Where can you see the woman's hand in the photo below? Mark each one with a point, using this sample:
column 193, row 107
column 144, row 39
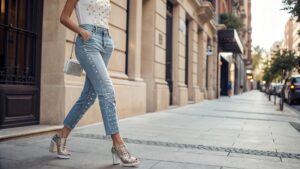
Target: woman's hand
column 86, row 35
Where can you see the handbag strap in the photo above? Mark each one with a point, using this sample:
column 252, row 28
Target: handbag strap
column 73, row 46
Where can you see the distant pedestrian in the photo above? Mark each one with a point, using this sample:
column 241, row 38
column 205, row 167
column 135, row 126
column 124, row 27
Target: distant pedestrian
column 94, row 46
column 229, row 88
column 241, row 89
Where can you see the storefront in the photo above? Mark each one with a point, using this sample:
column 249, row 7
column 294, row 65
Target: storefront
column 232, row 64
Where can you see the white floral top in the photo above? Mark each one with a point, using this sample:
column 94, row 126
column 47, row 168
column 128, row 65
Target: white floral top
column 93, row 12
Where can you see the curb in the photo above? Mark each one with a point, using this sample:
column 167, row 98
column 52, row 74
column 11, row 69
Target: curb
column 290, row 109
column 18, row 132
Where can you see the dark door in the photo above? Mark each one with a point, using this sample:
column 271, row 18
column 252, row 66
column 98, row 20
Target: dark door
column 206, row 72
column 187, row 52
column 224, row 77
column 20, row 50
column 169, row 44
column 236, row 78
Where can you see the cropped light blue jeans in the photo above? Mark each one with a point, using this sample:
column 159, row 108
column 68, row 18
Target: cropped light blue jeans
column 93, row 55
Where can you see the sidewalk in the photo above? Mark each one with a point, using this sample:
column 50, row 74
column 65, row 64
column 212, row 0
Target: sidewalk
column 244, row 131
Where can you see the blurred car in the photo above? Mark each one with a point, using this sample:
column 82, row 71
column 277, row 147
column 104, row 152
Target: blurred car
column 263, row 88
column 278, row 89
column 292, row 90
column 272, row 89
column 268, row 90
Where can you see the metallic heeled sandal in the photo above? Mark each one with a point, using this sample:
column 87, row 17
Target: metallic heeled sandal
column 121, row 153
column 58, row 145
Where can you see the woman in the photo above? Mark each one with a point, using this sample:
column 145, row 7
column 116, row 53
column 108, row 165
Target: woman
column 93, row 48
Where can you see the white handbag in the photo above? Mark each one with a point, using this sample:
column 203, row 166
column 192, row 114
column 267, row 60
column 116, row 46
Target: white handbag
column 72, row 65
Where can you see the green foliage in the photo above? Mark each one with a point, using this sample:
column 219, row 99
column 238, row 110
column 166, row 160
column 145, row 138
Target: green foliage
column 293, row 6
column 282, row 65
column 257, row 56
column 231, row 21
column 268, row 76
column 285, row 62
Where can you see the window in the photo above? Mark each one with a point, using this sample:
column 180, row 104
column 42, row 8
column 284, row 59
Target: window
column 208, row 47
column 19, row 28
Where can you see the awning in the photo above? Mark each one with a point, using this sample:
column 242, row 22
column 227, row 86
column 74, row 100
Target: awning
column 227, row 56
column 229, row 41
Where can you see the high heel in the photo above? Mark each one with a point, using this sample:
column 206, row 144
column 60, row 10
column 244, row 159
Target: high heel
column 116, row 159
column 121, row 153
column 58, row 145
column 52, row 148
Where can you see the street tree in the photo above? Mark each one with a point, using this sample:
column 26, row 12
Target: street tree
column 268, row 76
column 256, row 62
column 282, row 65
column 257, row 56
column 293, row 7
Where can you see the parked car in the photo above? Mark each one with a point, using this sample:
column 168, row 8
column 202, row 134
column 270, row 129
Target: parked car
column 263, row 88
column 278, row 89
column 292, row 90
column 272, row 89
column 268, row 90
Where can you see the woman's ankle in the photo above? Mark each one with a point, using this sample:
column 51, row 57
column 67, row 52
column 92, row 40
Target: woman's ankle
column 117, row 139
column 65, row 131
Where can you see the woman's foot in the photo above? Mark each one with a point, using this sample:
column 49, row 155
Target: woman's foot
column 120, row 152
column 58, row 145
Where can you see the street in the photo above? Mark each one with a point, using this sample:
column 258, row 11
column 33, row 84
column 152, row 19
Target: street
column 244, row 131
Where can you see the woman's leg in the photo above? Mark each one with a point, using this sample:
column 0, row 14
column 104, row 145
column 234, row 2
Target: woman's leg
column 58, row 142
column 85, row 101
column 91, row 58
column 106, row 55
column 119, row 149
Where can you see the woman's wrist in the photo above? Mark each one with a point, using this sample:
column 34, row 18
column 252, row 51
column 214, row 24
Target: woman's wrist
column 80, row 32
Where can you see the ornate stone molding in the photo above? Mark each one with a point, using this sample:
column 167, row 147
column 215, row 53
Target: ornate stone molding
column 198, row 2
column 221, row 26
column 206, row 11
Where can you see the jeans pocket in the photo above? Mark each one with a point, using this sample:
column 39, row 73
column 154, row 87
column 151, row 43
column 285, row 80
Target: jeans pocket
column 85, row 41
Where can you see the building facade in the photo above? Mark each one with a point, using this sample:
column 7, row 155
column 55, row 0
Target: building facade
column 291, row 38
column 166, row 53
column 287, row 42
column 235, row 55
column 296, row 36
